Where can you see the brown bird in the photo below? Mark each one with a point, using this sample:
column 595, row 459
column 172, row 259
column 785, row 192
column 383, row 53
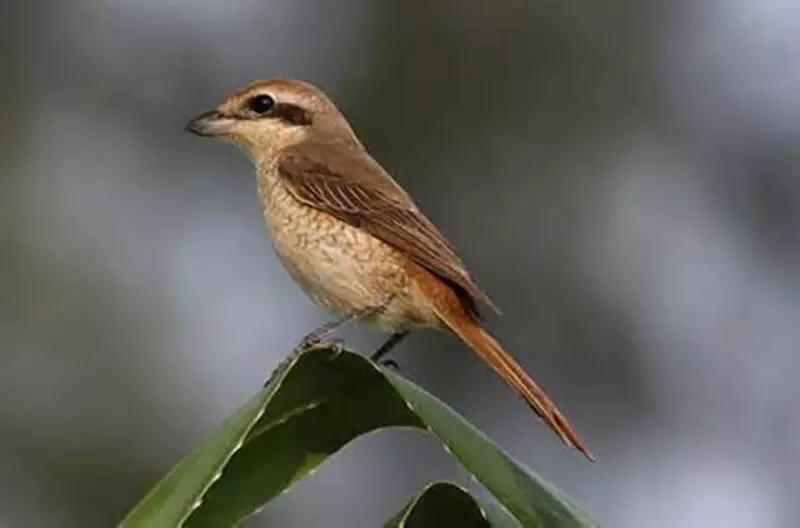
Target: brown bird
column 350, row 236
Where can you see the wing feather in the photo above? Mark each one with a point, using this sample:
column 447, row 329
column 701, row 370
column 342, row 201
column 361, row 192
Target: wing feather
column 346, row 183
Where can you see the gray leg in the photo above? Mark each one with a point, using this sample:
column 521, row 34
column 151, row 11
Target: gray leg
column 388, row 345
column 318, row 335
column 330, row 327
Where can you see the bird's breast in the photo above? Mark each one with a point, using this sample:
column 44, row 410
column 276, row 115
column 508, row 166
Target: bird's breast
column 339, row 266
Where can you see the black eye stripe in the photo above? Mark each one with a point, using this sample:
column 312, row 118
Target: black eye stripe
column 265, row 107
column 292, row 113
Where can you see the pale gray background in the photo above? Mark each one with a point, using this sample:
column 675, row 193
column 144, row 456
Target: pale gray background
column 622, row 178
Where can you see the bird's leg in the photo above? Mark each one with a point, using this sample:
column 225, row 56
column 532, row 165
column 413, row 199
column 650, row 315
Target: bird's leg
column 388, row 345
column 318, row 335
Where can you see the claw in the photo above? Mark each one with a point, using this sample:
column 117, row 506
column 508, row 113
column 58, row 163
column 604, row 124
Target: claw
column 278, row 369
column 308, row 342
column 336, row 344
column 390, row 363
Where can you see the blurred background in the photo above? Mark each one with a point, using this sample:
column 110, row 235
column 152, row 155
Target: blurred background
column 621, row 178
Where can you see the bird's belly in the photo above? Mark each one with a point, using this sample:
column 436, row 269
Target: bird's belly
column 343, row 268
column 333, row 274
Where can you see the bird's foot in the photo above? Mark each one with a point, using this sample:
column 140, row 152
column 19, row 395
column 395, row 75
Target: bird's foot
column 336, row 345
column 280, row 368
column 389, row 363
column 308, row 342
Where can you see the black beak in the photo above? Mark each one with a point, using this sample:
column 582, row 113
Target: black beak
column 203, row 124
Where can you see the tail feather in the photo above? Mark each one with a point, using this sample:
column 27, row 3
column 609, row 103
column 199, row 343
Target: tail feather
column 483, row 344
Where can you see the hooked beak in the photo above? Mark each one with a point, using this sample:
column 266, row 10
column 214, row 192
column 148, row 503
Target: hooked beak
column 209, row 124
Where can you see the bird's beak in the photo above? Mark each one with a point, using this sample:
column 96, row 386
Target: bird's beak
column 209, row 124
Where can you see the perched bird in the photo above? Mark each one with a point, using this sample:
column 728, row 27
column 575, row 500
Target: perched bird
column 350, row 236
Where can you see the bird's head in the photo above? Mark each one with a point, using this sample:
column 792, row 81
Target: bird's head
column 268, row 116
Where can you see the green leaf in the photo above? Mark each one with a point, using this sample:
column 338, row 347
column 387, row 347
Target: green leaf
column 441, row 504
column 314, row 405
column 532, row 500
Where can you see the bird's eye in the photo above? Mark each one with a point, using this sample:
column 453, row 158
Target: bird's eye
column 261, row 104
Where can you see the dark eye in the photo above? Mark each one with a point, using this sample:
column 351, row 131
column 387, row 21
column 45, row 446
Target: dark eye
column 261, row 104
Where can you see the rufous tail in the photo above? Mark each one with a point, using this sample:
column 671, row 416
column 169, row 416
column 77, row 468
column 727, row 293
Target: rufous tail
column 483, row 344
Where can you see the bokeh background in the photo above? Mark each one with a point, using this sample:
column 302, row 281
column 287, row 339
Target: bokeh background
column 622, row 178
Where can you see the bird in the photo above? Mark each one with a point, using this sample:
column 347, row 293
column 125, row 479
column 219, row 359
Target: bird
column 351, row 237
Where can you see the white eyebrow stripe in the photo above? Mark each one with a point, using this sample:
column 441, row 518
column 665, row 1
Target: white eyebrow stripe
column 282, row 97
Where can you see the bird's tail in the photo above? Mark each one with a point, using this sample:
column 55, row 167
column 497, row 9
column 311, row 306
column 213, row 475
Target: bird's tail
column 483, row 344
